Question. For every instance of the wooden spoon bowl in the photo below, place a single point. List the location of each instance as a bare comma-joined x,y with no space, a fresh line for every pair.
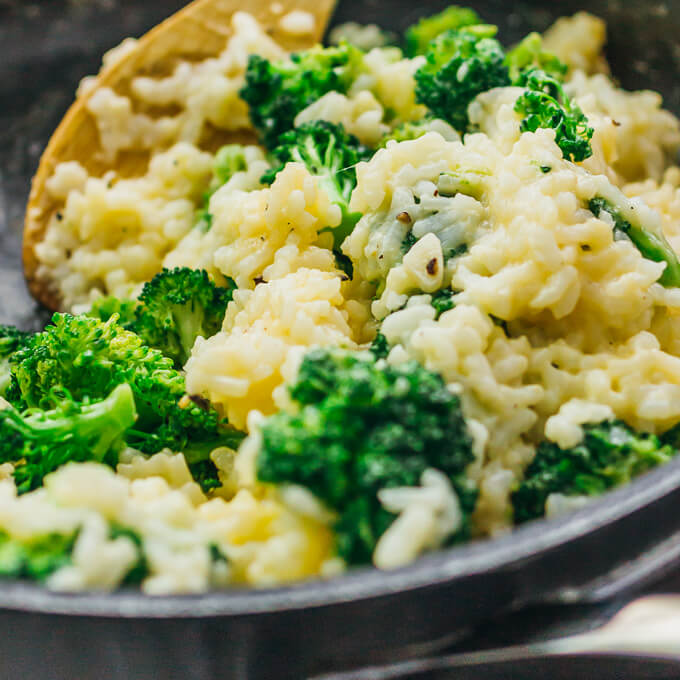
196,32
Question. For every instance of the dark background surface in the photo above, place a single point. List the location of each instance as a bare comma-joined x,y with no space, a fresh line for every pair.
47,46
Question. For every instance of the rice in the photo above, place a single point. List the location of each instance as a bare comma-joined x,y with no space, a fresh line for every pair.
263,541
298,22
112,234
241,367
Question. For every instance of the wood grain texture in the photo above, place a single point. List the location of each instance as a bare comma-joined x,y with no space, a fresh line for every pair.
196,32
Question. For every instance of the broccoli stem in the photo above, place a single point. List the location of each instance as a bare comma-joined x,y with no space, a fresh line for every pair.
651,246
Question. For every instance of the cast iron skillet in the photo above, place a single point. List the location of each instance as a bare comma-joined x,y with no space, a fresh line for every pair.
365,617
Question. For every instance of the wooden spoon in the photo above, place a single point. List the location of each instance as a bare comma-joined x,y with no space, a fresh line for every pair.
196,32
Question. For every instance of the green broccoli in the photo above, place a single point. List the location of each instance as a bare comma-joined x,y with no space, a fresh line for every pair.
173,309
39,558
11,340
530,54
363,426
330,154
205,474
408,242
420,35
177,306
415,129
229,160
343,263
35,559
37,442
406,132
104,308
277,91
442,301
652,246
544,104
610,454
460,65
89,358
380,347
140,569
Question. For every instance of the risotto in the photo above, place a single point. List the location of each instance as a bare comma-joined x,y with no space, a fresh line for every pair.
488,302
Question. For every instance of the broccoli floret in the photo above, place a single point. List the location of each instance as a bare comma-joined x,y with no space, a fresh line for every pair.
205,474
442,301
140,569
173,309
380,347
40,557
406,132
277,91
362,426
89,358
652,246
610,454
11,340
177,306
530,54
420,35
229,160
329,153
544,104
459,250
344,263
38,442
408,242
460,65
104,308
35,559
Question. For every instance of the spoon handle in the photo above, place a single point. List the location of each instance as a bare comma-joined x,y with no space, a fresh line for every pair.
641,641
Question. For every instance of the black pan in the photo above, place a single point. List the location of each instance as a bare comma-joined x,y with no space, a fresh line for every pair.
620,542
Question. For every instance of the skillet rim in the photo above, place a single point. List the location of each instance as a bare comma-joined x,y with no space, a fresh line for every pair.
484,556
